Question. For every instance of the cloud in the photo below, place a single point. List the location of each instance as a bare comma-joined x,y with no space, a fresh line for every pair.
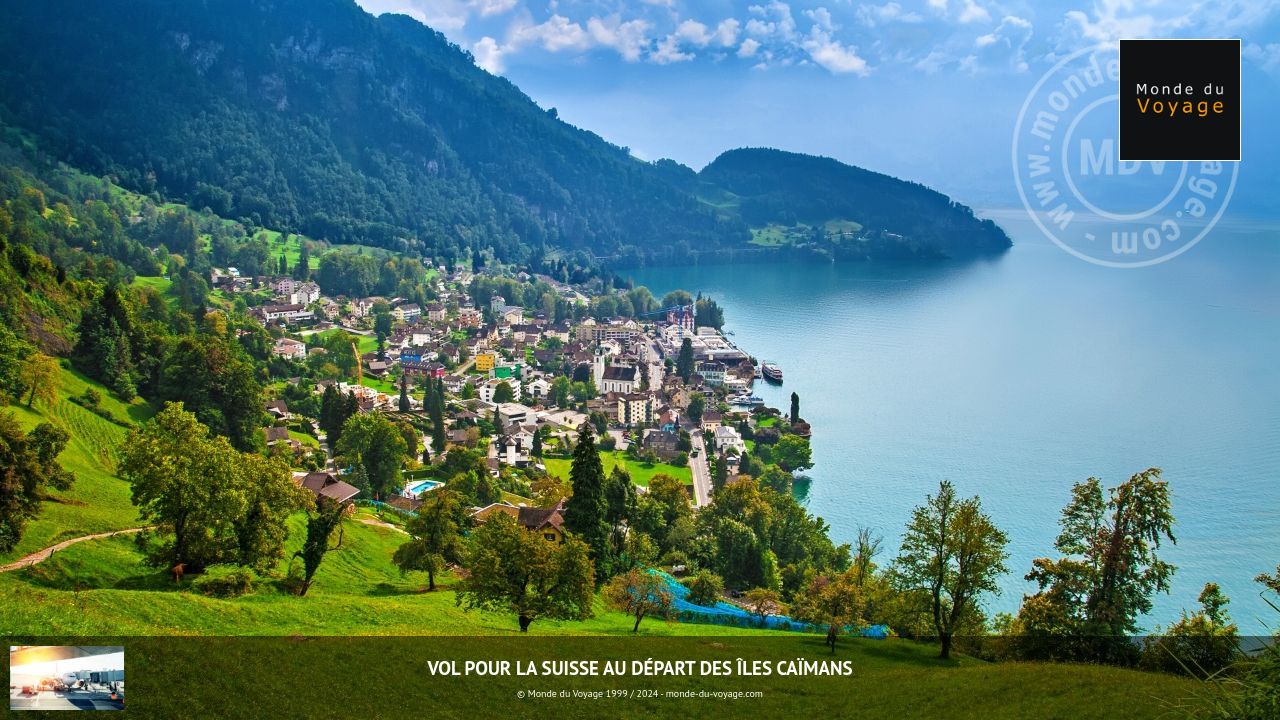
832,55
875,15
630,39
748,48
822,17
1005,46
488,54
488,8
1266,56
669,52
556,34
692,32
726,33
973,12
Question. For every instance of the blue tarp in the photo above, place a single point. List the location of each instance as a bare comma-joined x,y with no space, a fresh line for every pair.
723,613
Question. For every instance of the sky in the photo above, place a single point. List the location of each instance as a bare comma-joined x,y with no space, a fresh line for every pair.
926,90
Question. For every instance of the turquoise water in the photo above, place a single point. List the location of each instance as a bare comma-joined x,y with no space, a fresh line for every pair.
422,486
1016,377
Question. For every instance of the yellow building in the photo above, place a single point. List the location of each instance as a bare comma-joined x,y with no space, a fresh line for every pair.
485,361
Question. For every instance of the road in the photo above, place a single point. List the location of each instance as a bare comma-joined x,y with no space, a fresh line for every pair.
40,556
701,472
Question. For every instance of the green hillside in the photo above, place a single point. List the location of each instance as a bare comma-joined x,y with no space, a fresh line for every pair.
315,117
98,501
101,586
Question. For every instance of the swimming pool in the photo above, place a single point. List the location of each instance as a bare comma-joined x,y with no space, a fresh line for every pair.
418,487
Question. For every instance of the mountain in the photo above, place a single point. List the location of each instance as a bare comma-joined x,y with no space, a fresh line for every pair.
772,187
313,116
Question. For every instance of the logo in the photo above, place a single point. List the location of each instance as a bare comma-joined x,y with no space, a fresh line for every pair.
1073,184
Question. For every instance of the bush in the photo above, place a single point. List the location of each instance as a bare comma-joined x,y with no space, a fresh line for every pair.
233,584
704,588
680,460
607,443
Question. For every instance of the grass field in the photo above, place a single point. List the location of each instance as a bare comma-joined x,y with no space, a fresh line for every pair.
98,501
100,588
641,473
775,235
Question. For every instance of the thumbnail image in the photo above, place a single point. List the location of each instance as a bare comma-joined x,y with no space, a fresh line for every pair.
66,677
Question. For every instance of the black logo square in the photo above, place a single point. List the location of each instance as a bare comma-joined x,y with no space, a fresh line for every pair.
1179,100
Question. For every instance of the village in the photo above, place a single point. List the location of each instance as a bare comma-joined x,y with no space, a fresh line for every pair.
664,396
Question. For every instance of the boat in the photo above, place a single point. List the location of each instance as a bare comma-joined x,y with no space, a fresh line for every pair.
750,400
771,372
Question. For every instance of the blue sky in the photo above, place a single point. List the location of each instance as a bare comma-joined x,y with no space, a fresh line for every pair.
922,89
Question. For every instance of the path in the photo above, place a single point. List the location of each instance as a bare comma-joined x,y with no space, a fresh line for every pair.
380,523
40,556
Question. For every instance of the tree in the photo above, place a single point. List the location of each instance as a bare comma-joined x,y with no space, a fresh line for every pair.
832,601
561,390
28,466
1089,599
302,270
536,449
640,592
684,360
516,570
705,588
792,453
335,410
953,552
795,408
763,602
40,374
375,444
435,535
503,393
404,393
320,527
586,510
209,503
697,406
1202,644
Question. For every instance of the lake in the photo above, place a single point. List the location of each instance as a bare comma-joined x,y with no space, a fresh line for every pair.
1018,376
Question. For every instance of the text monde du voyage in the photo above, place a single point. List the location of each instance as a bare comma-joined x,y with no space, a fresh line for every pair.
638,668
1180,99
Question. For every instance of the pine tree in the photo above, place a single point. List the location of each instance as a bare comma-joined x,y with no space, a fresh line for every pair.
585,511
404,393
684,360
795,408
302,271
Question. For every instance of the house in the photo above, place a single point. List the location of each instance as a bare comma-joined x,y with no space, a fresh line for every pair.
663,443
710,421
407,312
435,312
277,409
304,293
515,413
289,348
635,408
548,522
712,372
288,313
486,389
620,379
727,438
512,314
485,361
468,317
326,484
277,435
539,389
